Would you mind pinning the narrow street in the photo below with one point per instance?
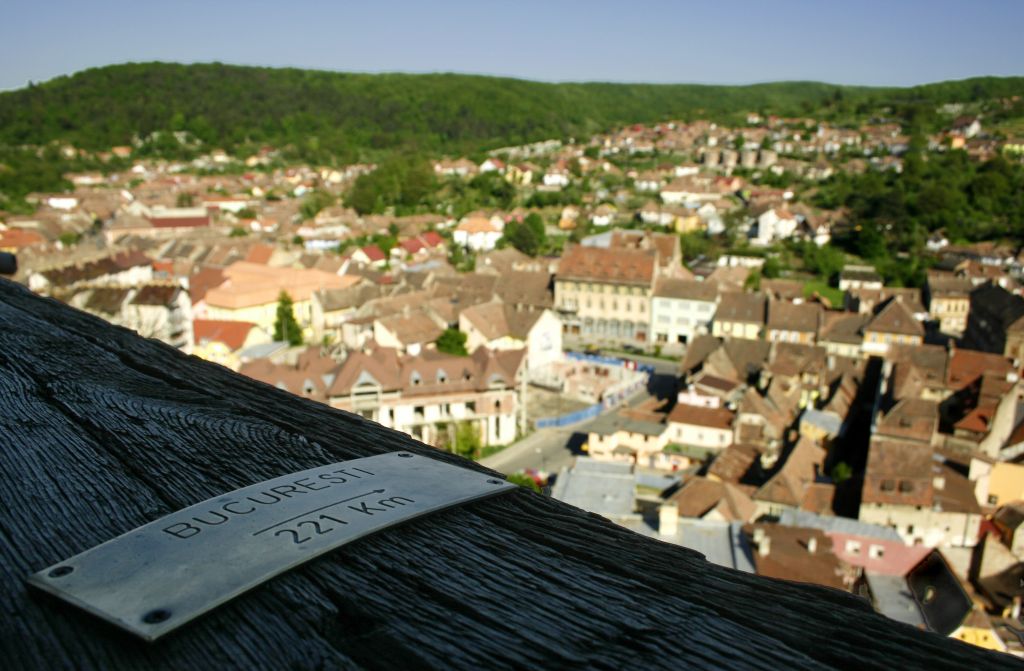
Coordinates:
(548, 450)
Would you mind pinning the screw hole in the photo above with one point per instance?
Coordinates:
(61, 571)
(492, 481)
(404, 454)
(156, 616)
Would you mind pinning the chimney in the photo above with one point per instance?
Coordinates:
(668, 519)
(812, 545)
(764, 547)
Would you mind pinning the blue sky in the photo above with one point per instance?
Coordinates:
(897, 42)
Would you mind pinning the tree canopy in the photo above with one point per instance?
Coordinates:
(286, 328)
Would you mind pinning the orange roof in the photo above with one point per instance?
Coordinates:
(232, 334)
(260, 254)
(18, 238)
(477, 225)
(251, 284)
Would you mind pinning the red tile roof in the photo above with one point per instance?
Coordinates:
(232, 334)
(260, 254)
(374, 253)
(619, 266)
(17, 238)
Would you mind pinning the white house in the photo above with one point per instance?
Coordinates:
(774, 224)
(493, 165)
(500, 326)
(603, 215)
(479, 233)
(681, 310)
(703, 428)
(557, 176)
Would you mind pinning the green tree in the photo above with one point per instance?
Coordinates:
(185, 199)
(523, 480)
(69, 238)
(238, 232)
(452, 341)
(772, 268)
(286, 328)
(522, 237)
(467, 440)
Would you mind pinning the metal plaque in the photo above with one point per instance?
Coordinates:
(158, 577)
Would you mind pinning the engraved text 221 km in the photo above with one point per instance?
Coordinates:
(156, 578)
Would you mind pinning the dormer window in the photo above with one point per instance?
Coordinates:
(415, 379)
(442, 377)
(876, 551)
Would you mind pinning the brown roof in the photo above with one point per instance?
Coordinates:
(786, 316)
(798, 472)
(895, 318)
(733, 463)
(691, 290)
(898, 472)
(179, 222)
(948, 285)
(785, 290)
(737, 306)
(789, 556)
(430, 372)
(715, 418)
(106, 300)
(700, 496)
(156, 294)
(619, 266)
(843, 327)
(525, 288)
(415, 327)
(498, 320)
(911, 419)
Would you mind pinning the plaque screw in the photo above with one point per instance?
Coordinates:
(61, 571)
(156, 616)
(404, 454)
(492, 481)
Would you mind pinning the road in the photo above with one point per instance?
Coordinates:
(548, 450)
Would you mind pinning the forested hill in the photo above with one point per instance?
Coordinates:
(346, 115)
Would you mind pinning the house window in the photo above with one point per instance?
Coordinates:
(888, 485)
(415, 379)
(442, 377)
(853, 547)
(993, 499)
(876, 552)
(470, 406)
(906, 486)
(910, 529)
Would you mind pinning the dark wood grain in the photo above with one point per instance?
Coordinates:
(102, 431)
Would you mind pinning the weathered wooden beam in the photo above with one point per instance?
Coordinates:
(102, 431)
